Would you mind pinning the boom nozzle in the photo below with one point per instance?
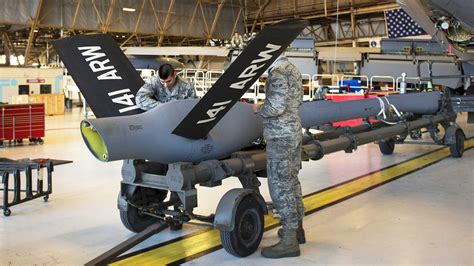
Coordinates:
(94, 141)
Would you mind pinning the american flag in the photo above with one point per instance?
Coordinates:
(400, 24)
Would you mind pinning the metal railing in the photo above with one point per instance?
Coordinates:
(416, 80)
(382, 78)
(363, 80)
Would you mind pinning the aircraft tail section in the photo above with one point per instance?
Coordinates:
(237, 79)
(104, 75)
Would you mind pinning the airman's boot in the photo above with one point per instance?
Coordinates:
(287, 247)
(299, 233)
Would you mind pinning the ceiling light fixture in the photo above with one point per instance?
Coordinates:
(128, 9)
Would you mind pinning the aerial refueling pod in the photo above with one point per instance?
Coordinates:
(148, 135)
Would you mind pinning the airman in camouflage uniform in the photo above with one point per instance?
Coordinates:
(164, 87)
(283, 134)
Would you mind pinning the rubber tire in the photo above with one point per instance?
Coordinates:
(136, 222)
(387, 146)
(415, 134)
(457, 148)
(7, 212)
(249, 215)
(176, 225)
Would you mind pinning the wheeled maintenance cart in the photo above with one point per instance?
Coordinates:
(23, 171)
(155, 196)
(22, 121)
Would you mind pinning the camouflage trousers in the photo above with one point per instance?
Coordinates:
(283, 165)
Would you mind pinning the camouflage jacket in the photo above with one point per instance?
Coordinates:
(153, 92)
(283, 97)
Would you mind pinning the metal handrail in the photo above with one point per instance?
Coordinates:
(382, 77)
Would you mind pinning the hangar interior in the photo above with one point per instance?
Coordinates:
(364, 204)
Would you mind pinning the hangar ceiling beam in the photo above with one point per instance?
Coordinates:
(193, 16)
(78, 5)
(99, 17)
(136, 24)
(46, 52)
(353, 23)
(384, 27)
(259, 12)
(32, 30)
(341, 29)
(236, 21)
(105, 27)
(270, 19)
(295, 8)
(214, 22)
(371, 27)
(203, 16)
(158, 27)
(366, 28)
(12, 47)
(325, 9)
(165, 24)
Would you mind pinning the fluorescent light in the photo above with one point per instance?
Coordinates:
(128, 9)
(36, 30)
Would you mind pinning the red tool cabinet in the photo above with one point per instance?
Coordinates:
(22, 121)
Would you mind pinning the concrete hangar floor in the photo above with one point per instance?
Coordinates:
(423, 213)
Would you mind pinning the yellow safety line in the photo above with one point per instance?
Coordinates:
(210, 240)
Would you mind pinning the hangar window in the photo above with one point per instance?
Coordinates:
(45, 88)
(23, 89)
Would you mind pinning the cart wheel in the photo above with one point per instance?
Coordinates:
(176, 225)
(46, 198)
(7, 212)
(136, 221)
(248, 230)
(457, 148)
(40, 141)
(415, 134)
(387, 146)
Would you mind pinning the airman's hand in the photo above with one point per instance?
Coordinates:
(255, 107)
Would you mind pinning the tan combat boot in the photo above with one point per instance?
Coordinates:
(299, 233)
(287, 247)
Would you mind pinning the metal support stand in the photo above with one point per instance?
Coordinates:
(15, 167)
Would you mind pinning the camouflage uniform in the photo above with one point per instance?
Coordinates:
(282, 131)
(153, 92)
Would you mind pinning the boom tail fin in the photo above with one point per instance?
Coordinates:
(104, 75)
(237, 79)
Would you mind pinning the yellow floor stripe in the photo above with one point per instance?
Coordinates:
(199, 243)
